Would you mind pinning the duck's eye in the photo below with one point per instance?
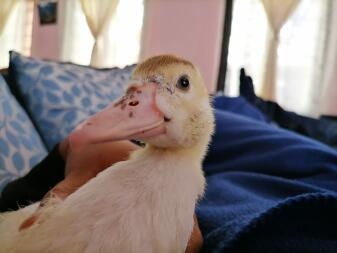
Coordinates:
(183, 83)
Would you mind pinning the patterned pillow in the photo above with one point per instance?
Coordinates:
(20, 145)
(58, 96)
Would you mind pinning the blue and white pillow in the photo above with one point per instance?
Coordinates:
(58, 96)
(20, 144)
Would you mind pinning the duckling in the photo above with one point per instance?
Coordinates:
(145, 204)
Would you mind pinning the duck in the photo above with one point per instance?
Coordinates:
(145, 204)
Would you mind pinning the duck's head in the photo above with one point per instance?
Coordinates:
(166, 106)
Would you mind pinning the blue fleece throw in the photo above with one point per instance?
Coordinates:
(268, 189)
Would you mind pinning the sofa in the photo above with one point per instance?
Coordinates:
(268, 189)
(41, 101)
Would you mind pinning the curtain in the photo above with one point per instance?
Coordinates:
(98, 14)
(301, 58)
(120, 40)
(329, 82)
(16, 34)
(277, 12)
(247, 47)
(6, 8)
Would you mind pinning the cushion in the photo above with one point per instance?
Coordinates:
(20, 144)
(58, 96)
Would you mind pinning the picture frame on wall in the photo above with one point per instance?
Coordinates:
(47, 10)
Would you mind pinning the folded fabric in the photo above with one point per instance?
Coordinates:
(268, 189)
(323, 129)
(58, 96)
(20, 145)
(241, 106)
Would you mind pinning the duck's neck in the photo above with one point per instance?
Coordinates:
(194, 154)
(179, 167)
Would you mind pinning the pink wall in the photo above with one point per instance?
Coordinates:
(189, 28)
(45, 41)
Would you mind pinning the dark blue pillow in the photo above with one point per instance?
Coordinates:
(20, 144)
(58, 96)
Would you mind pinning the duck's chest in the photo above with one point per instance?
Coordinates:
(151, 204)
(167, 180)
(166, 186)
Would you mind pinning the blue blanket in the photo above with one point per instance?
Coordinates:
(268, 189)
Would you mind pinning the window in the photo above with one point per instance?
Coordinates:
(121, 38)
(17, 34)
(300, 51)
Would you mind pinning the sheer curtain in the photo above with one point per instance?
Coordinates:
(6, 8)
(277, 14)
(247, 47)
(98, 15)
(16, 21)
(299, 53)
(119, 40)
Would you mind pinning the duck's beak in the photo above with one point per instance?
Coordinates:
(134, 116)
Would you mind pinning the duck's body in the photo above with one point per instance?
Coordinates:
(149, 198)
(145, 204)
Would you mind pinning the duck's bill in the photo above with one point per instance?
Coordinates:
(133, 116)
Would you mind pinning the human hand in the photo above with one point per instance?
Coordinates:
(82, 164)
(196, 241)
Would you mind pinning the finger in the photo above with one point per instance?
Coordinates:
(196, 241)
(53, 197)
(28, 222)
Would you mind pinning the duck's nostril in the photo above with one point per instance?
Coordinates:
(131, 90)
(134, 103)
